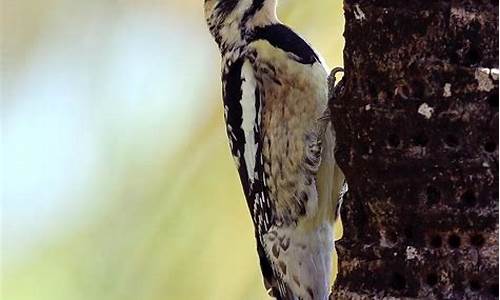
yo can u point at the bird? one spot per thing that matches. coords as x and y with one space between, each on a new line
275 97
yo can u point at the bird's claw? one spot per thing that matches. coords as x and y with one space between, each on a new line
332 80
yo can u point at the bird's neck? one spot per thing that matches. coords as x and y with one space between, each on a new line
239 25
260 14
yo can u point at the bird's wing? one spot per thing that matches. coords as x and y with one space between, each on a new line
242 111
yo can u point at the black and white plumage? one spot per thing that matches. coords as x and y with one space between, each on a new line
275 99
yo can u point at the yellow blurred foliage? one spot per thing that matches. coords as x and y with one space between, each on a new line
173 226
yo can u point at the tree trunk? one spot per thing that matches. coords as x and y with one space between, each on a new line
417 134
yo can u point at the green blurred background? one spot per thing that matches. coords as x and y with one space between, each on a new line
117 180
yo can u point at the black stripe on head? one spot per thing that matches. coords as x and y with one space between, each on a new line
225 7
218 17
284 38
252 10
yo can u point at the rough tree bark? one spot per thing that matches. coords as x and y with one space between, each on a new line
417 132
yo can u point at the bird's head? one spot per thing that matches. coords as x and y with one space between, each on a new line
230 20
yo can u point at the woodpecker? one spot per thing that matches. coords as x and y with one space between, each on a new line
275 94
